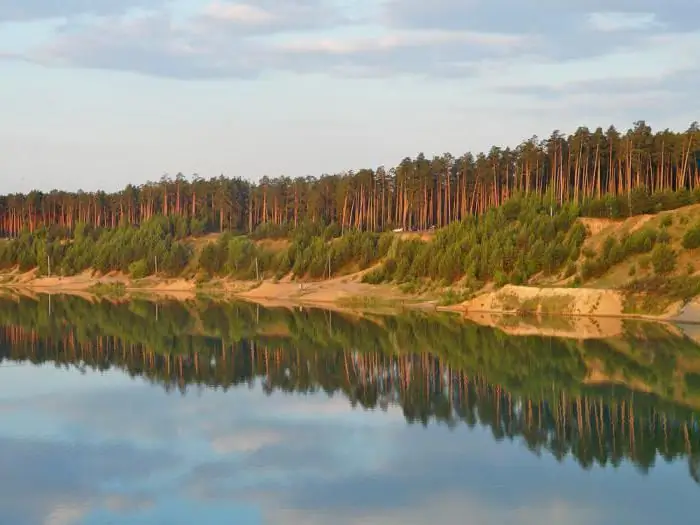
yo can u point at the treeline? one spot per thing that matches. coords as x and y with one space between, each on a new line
604 427
524 237
597 169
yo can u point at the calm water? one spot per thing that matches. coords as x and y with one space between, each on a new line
234 414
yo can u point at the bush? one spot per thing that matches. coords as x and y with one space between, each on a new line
663 258
664 237
691 238
666 221
138 269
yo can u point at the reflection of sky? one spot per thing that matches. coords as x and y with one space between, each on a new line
93 449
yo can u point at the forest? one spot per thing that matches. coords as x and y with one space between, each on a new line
503 217
596 169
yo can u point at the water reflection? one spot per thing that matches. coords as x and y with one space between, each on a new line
118 451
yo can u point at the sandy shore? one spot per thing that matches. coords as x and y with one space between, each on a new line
348 290
581 312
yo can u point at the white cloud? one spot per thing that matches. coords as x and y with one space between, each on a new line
400 39
611 21
238 13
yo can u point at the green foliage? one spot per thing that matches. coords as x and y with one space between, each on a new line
653 295
618 206
663 259
509 244
666 221
613 252
138 269
101 249
114 289
691 238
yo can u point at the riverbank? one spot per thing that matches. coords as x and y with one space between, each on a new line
578 305
342 291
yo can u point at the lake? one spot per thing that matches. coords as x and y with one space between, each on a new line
230 413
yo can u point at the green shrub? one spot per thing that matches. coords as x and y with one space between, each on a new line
663 258
691 238
664 237
138 269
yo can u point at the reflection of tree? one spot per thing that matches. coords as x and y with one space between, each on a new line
694 467
529 388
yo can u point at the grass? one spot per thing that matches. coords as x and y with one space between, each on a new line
111 289
366 301
452 296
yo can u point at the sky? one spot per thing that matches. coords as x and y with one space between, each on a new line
99 94
89 449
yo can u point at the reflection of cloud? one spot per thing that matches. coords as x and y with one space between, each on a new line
66 514
447 509
57 483
338 405
303 459
245 441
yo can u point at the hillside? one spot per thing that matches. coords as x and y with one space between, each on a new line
646 265
524 256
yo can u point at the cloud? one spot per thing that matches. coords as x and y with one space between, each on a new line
151 44
611 21
270 16
566 29
401 39
239 40
467 39
27 10
541 16
239 13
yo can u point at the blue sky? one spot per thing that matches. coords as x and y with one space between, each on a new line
103 448
100 94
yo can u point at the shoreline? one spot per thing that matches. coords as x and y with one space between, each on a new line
335 295
349 293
